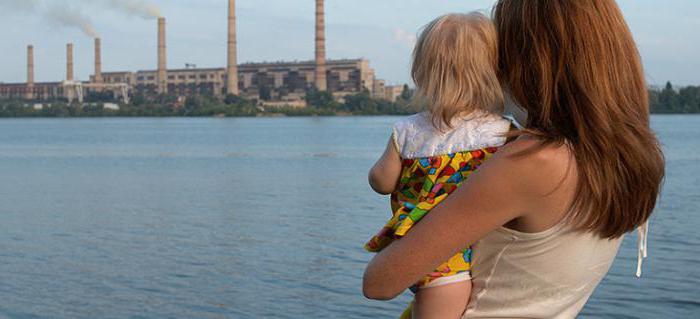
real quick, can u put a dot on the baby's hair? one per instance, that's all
(454, 67)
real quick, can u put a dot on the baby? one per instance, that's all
(430, 154)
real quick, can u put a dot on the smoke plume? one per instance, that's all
(62, 15)
(20, 5)
(69, 13)
(140, 8)
(71, 17)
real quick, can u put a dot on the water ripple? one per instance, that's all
(253, 218)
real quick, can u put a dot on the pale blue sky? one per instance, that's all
(270, 30)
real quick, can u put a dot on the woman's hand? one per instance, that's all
(503, 189)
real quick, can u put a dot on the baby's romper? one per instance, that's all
(434, 164)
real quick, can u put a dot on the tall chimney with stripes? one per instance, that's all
(30, 72)
(232, 67)
(321, 83)
(98, 61)
(69, 62)
(162, 56)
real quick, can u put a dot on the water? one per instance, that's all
(252, 218)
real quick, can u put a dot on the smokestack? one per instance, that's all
(321, 83)
(162, 55)
(98, 61)
(69, 62)
(232, 68)
(30, 72)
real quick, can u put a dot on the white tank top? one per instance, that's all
(537, 275)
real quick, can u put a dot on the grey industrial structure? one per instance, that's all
(273, 82)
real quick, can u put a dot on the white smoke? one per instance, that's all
(70, 14)
(58, 14)
(20, 5)
(71, 17)
(140, 8)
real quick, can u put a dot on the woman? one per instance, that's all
(547, 213)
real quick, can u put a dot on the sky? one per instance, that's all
(382, 31)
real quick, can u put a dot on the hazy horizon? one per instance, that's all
(382, 32)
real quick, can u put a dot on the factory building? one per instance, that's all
(38, 91)
(274, 81)
(278, 81)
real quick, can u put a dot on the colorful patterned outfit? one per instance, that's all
(434, 164)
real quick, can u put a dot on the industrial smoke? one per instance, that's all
(61, 15)
(140, 8)
(71, 17)
(71, 14)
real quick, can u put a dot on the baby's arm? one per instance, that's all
(385, 174)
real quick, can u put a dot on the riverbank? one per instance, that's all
(661, 101)
(320, 104)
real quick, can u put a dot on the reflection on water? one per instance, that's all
(249, 218)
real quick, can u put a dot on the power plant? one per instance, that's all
(281, 83)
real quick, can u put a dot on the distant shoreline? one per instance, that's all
(265, 116)
(666, 101)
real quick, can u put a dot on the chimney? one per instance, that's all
(69, 62)
(232, 67)
(98, 61)
(162, 55)
(321, 83)
(30, 72)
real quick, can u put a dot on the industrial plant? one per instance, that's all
(278, 83)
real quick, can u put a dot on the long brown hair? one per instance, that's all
(574, 66)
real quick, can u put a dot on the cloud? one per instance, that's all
(404, 37)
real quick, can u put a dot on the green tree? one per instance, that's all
(320, 99)
(361, 104)
(407, 93)
(689, 99)
(232, 99)
(668, 99)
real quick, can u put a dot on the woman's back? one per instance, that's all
(519, 275)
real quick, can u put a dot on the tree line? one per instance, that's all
(666, 100)
(319, 104)
(671, 101)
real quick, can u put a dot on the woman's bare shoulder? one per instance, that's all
(541, 168)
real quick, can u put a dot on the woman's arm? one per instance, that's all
(504, 188)
(384, 175)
